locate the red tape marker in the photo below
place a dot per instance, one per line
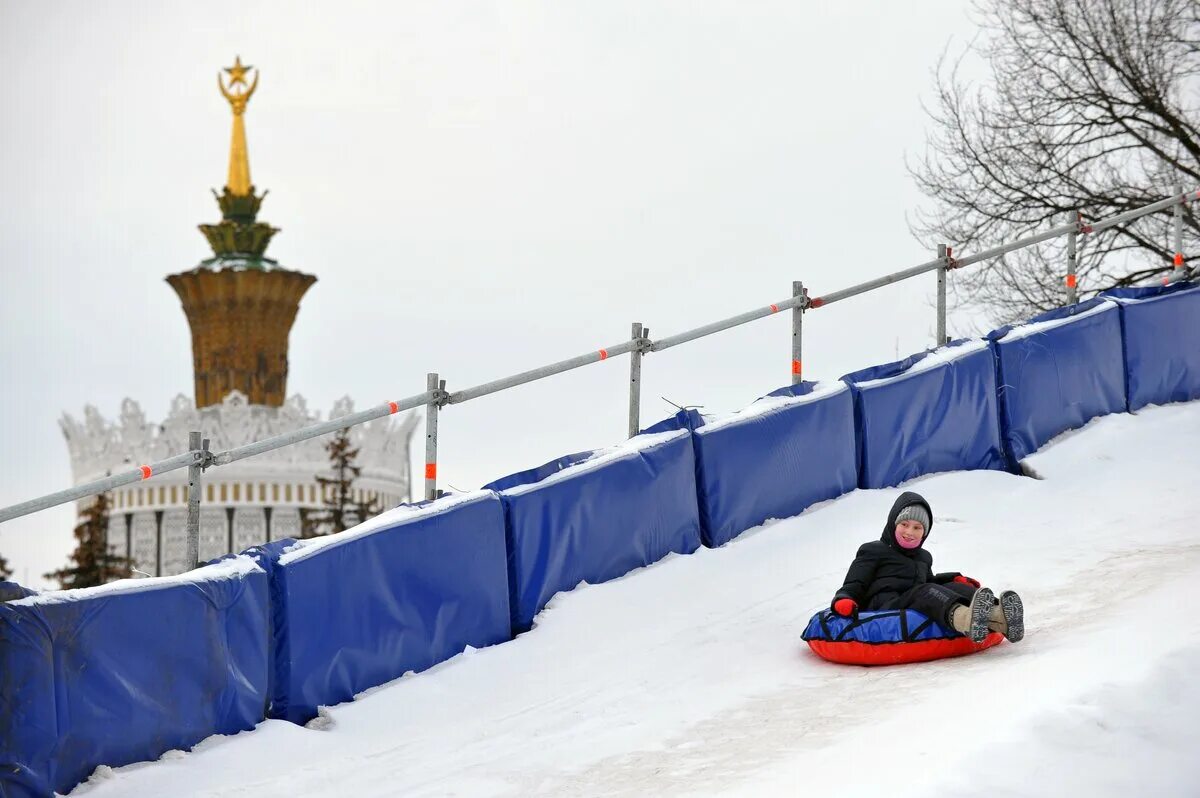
(774, 308)
(431, 471)
(1071, 281)
(1087, 228)
(604, 354)
(394, 407)
(796, 367)
(1178, 260)
(816, 303)
(146, 472)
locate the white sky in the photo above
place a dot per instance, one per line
(480, 188)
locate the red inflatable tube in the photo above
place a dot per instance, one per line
(852, 652)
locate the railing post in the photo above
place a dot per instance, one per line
(1073, 259)
(943, 255)
(797, 334)
(1178, 210)
(196, 446)
(431, 430)
(635, 378)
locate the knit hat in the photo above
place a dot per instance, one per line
(914, 512)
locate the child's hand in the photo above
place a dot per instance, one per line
(845, 607)
(966, 580)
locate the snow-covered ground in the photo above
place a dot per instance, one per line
(690, 678)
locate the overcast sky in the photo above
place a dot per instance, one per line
(480, 188)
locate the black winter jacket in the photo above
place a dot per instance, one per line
(883, 569)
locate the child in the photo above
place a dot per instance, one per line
(895, 572)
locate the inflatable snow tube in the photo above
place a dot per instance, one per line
(886, 637)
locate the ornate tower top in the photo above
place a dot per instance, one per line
(239, 237)
(239, 303)
(239, 158)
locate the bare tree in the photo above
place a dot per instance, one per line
(1091, 107)
(5, 572)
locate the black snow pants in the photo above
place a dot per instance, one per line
(935, 601)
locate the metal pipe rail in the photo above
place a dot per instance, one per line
(317, 430)
(458, 397)
(725, 324)
(639, 344)
(99, 485)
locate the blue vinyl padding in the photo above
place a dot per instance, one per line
(1058, 378)
(414, 587)
(782, 454)
(122, 675)
(877, 626)
(598, 522)
(1162, 343)
(914, 422)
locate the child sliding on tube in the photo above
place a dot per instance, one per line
(895, 572)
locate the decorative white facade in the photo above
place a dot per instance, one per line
(243, 504)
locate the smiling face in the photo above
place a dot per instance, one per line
(909, 534)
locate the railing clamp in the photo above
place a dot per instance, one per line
(644, 344)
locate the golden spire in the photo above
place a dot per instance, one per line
(239, 158)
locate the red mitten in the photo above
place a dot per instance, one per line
(845, 607)
(966, 580)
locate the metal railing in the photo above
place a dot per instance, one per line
(435, 397)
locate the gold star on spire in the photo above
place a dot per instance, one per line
(237, 72)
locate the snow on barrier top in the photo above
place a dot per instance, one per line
(397, 516)
(916, 364)
(774, 402)
(576, 465)
(228, 568)
(1052, 320)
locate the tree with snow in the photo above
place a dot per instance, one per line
(1091, 107)
(341, 511)
(93, 562)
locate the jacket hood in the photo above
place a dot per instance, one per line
(889, 529)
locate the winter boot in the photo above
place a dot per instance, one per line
(1013, 613)
(972, 620)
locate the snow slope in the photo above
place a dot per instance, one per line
(690, 678)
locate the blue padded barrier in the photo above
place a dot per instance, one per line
(1056, 372)
(1162, 357)
(127, 671)
(401, 592)
(10, 591)
(605, 514)
(785, 452)
(934, 411)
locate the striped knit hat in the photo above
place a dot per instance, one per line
(914, 512)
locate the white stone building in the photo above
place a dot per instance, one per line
(243, 504)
